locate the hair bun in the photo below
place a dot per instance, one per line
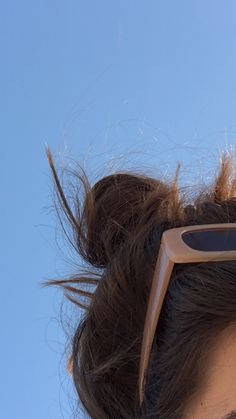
(117, 207)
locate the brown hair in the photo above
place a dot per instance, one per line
(117, 231)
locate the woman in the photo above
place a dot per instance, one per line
(117, 230)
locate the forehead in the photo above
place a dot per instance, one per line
(218, 397)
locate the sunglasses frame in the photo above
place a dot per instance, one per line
(173, 250)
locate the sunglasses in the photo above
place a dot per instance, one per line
(188, 244)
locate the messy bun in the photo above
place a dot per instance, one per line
(119, 202)
(117, 231)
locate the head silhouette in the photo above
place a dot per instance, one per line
(117, 228)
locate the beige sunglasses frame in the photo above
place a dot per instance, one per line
(172, 250)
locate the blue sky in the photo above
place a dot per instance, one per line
(112, 84)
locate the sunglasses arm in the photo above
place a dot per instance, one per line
(162, 273)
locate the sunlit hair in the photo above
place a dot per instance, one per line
(117, 228)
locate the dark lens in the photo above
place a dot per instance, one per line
(211, 240)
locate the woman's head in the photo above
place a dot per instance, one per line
(117, 230)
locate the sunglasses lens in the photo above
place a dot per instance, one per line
(209, 240)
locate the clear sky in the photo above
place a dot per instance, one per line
(113, 84)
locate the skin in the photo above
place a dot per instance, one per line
(218, 397)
